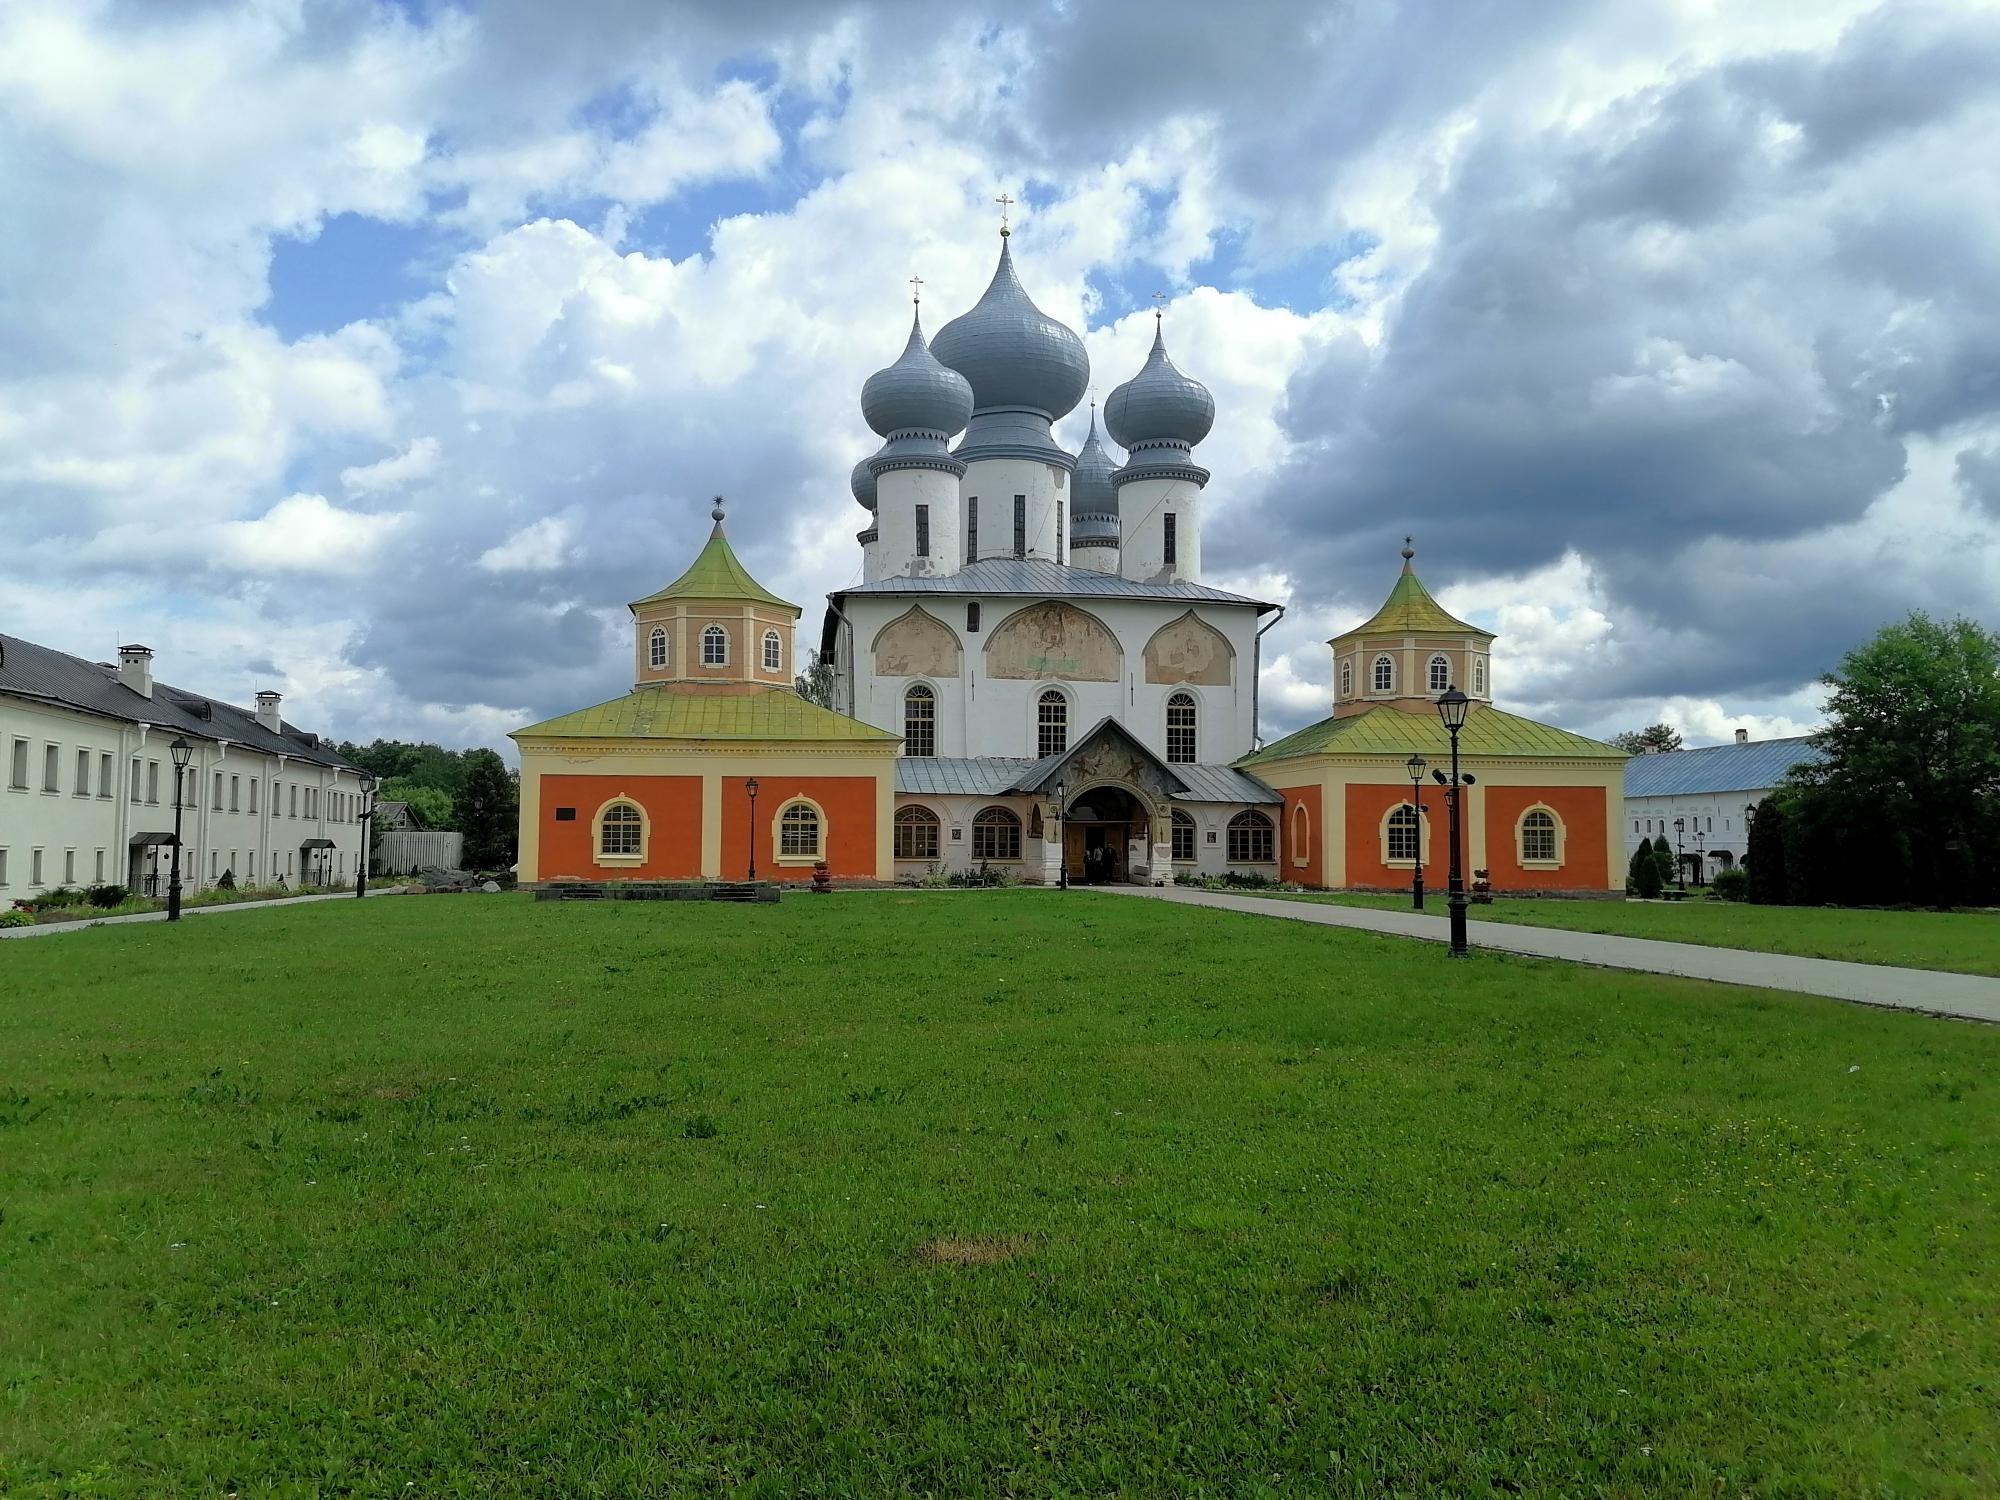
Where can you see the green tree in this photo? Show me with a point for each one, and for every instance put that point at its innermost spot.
(488, 811)
(1764, 854)
(1644, 874)
(815, 683)
(1651, 740)
(434, 808)
(1663, 856)
(1913, 738)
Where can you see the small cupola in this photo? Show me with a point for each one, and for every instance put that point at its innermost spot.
(135, 669)
(714, 626)
(267, 711)
(1409, 651)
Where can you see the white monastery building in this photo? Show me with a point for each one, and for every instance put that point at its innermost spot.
(87, 782)
(1709, 792)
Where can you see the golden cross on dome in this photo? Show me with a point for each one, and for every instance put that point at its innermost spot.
(1005, 203)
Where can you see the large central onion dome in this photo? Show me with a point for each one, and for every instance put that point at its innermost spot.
(916, 393)
(1159, 407)
(1015, 354)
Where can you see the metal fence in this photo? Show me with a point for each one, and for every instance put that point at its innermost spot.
(405, 853)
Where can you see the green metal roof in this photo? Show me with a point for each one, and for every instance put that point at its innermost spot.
(1489, 733)
(1410, 610)
(660, 712)
(717, 574)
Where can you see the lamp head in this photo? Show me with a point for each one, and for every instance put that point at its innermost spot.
(181, 751)
(1468, 778)
(1416, 765)
(1438, 777)
(1062, 789)
(750, 786)
(367, 785)
(1451, 706)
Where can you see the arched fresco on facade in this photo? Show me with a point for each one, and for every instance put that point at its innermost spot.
(1054, 641)
(1189, 649)
(916, 644)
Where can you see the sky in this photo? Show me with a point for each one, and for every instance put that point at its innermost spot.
(379, 353)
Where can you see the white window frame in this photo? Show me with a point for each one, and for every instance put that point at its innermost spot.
(1044, 696)
(798, 857)
(920, 692)
(916, 815)
(1432, 674)
(1179, 824)
(657, 649)
(1011, 817)
(620, 861)
(1403, 862)
(1521, 839)
(1167, 738)
(1347, 678)
(774, 652)
(711, 633)
(1384, 665)
(1247, 820)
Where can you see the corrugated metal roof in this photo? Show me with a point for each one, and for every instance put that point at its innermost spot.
(1014, 575)
(716, 573)
(1222, 784)
(1410, 609)
(665, 712)
(999, 776)
(1489, 732)
(38, 672)
(1716, 768)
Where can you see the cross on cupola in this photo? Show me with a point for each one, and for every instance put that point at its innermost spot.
(1005, 203)
(917, 289)
(1159, 306)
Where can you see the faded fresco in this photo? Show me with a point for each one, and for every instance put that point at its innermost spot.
(1054, 641)
(1189, 650)
(916, 644)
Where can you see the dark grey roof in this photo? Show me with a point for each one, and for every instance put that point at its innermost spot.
(917, 392)
(1093, 498)
(1159, 404)
(1716, 768)
(1013, 353)
(41, 674)
(1048, 580)
(1222, 784)
(1002, 775)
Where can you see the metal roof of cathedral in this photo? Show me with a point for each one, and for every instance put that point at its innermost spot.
(666, 711)
(1160, 403)
(999, 775)
(716, 574)
(1410, 610)
(1717, 768)
(1489, 733)
(1013, 353)
(1018, 575)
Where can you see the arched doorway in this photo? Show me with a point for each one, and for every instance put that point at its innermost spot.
(1100, 826)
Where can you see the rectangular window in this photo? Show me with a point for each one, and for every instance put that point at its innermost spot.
(153, 782)
(135, 778)
(1059, 530)
(69, 867)
(82, 787)
(213, 857)
(17, 774)
(218, 791)
(972, 528)
(3, 866)
(236, 794)
(1020, 525)
(51, 767)
(100, 867)
(295, 801)
(1173, 535)
(250, 863)
(35, 867)
(253, 795)
(971, 617)
(104, 774)
(923, 531)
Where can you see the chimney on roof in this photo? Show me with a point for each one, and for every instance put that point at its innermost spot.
(135, 669)
(1742, 736)
(267, 711)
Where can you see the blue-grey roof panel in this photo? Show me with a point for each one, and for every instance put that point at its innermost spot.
(1222, 784)
(1716, 768)
(1016, 575)
(1001, 775)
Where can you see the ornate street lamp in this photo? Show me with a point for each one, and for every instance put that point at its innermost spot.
(750, 786)
(181, 752)
(1451, 707)
(1062, 849)
(1416, 765)
(1700, 869)
(1680, 860)
(367, 812)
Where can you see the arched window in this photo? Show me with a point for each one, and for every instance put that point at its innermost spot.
(1181, 737)
(1183, 835)
(996, 834)
(799, 831)
(1051, 723)
(916, 833)
(1541, 837)
(621, 831)
(1385, 673)
(1347, 679)
(774, 651)
(1479, 676)
(1301, 834)
(715, 647)
(1440, 673)
(656, 647)
(1405, 840)
(919, 721)
(1252, 840)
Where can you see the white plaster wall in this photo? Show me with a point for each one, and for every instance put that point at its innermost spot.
(981, 715)
(955, 815)
(1719, 815)
(1143, 506)
(996, 481)
(1096, 559)
(898, 493)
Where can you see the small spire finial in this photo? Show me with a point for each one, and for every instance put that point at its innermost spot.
(1409, 551)
(1159, 307)
(917, 290)
(1005, 203)
(717, 514)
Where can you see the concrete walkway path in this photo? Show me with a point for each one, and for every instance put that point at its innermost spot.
(1968, 995)
(50, 929)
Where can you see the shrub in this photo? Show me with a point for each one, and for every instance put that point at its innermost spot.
(228, 881)
(1732, 884)
(16, 919)
(1645, 872)
(106, 896)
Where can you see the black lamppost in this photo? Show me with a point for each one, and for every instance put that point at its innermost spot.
(1700, 869)
(181, 752)
(1451, 706)
(1062, 852)
(1416, 766)
(1680, 859)
(750, 786)
(367, 812)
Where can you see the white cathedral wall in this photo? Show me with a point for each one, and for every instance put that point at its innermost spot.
(898, 493)
(995, 482)
(1143, 506)
(978, 714)
(1037, 864)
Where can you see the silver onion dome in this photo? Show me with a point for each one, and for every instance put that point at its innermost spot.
(1015, 354)
(1091, 491)
(862, 483)
(916, 393)
(1159, 407)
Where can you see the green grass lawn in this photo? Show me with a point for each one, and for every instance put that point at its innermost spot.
(1965, 942)
(970, 1194)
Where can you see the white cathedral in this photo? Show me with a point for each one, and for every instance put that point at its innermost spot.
(1031, 618)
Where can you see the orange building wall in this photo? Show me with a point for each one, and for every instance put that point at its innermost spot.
(1366, 807)
(1313, 871)
(1581, 809)
(852, 818)
(673, 807)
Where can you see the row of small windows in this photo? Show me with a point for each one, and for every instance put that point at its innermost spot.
(996, 835)
(1665, 824)
(218, 865)
(1437, 673)
(714, 648)
(342, 807)
(1051, 724)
